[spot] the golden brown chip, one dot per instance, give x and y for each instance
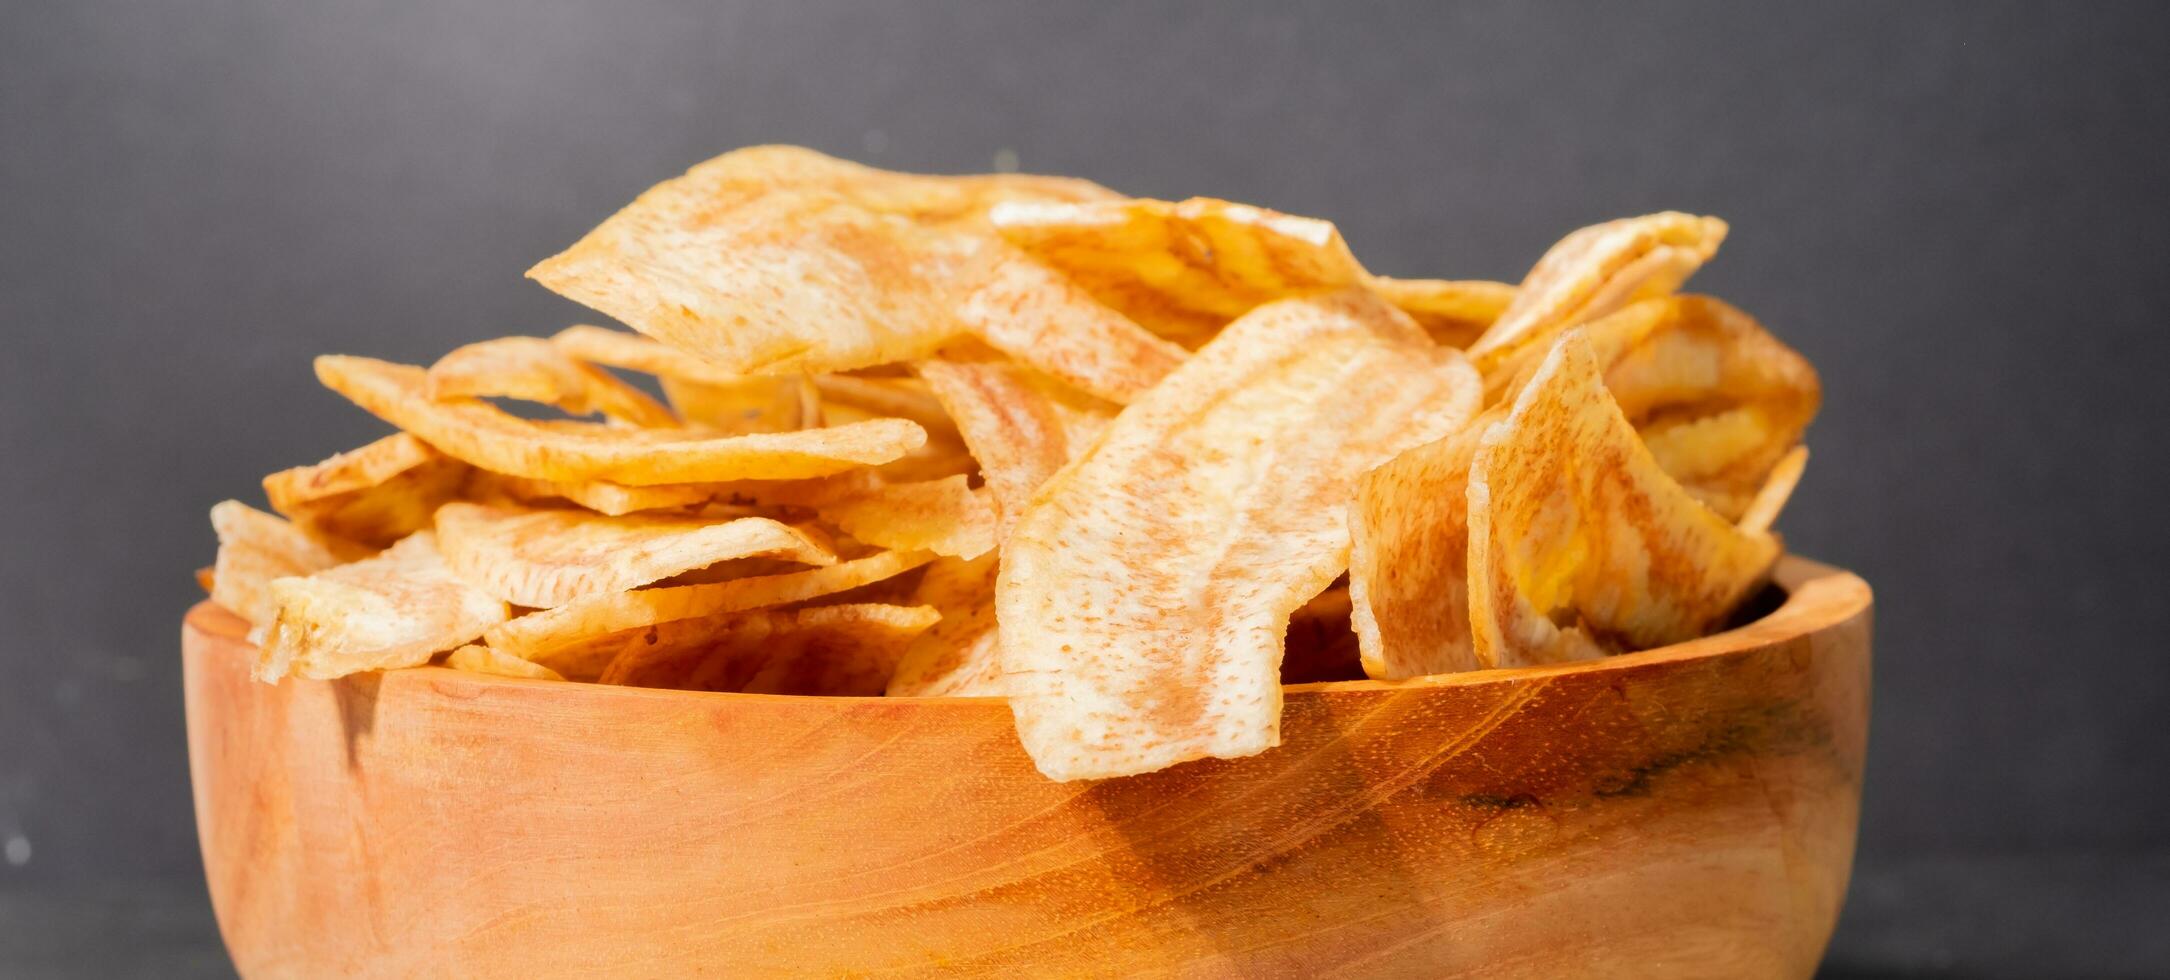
(1454, 312)
(904, 398)
(533, 369)
(256, 548)
(584, 621)
(1145, 594)
(1595, 271)
(397, 609)
(943, 516)
(633, 352)
(1019, 425)
(483, 660)
(372, 496)
(755, 403)
(1579, 544)
(1182, 269)
(600, 496)
(1762, 512)
(543, 558)
(842, 650)
(481, 434)
(959, 656)
(760, 265)
(1408, 557)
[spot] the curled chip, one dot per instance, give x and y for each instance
(1595, 271)
(701, 393)
(533, 369)
(1408, 560)
(1454, 311)
(483, 660)
(959, 656)
(484, 436)
(944, 516)
(904, 398)
(1716, 398)
(1579, 544)
(1770, 500)
(845, 650)
(397, 609)
(255, 549)
(545, 558)
(1145, 593)
(372, 496)
(584, 621)
(1020, 426)
(765, 263)
(600, 496)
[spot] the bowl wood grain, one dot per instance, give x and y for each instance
(1687, 811)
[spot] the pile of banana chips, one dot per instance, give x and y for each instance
(1132, 464)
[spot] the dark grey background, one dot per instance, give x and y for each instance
(1957, 210)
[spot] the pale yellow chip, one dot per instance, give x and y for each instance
(1145, 594)
(1020, 426)
(633, 352)
(483, 660)
(959, 656)
(847, 650)
(533, 369)
(759, 263)
(583, 622)
(1597, 270)
(1454, 311)
(1408, 557)
(1716, 398)
(904, 398)
(397, 609)
(944, 516)
(256, 548)
(481, 434)
(548, 557)
(704, 395)
(600, 496)
(1579, 544)
(1183, 269)
(372, 496)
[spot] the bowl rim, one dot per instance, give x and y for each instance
(1817, 597)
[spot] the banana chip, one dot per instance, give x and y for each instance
(545, 558)
(944, 516)
(843, 650)
(1762, 511)
(1020, 426)
(372, 496)
(483, 660)
(397, 609)
(903, 398)
(1595, 271)
(1579, 544)
(583, 622)
(762, 263)
(487, 437)
(600, 496)
(959, 656)
(1454, 312)
(1408, 560)
(533, 369)
(1145, 594)
(255, 549)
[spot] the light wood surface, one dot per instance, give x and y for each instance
(1682, 812)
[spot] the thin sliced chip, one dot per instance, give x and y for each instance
(1321, 645)
(544, 558)
(397, 609)
(1762, 512)
(904, 398)
(633, 352)
(842, 650)
(1145, 594)
(1455, 312)
(943, 516)
(1182, 269)
(372, 496)
(936, 199)
(483, 660)
(1579, 544)
(1408, 577)
(755, 403)
(584, 621)
(959, 656)
(759, 265)
(1595, 271)
(1020, 426)
(487, 437)
(533, 369)
(600, 496)
(255, 549)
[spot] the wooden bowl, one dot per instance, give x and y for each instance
(1687, 811)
